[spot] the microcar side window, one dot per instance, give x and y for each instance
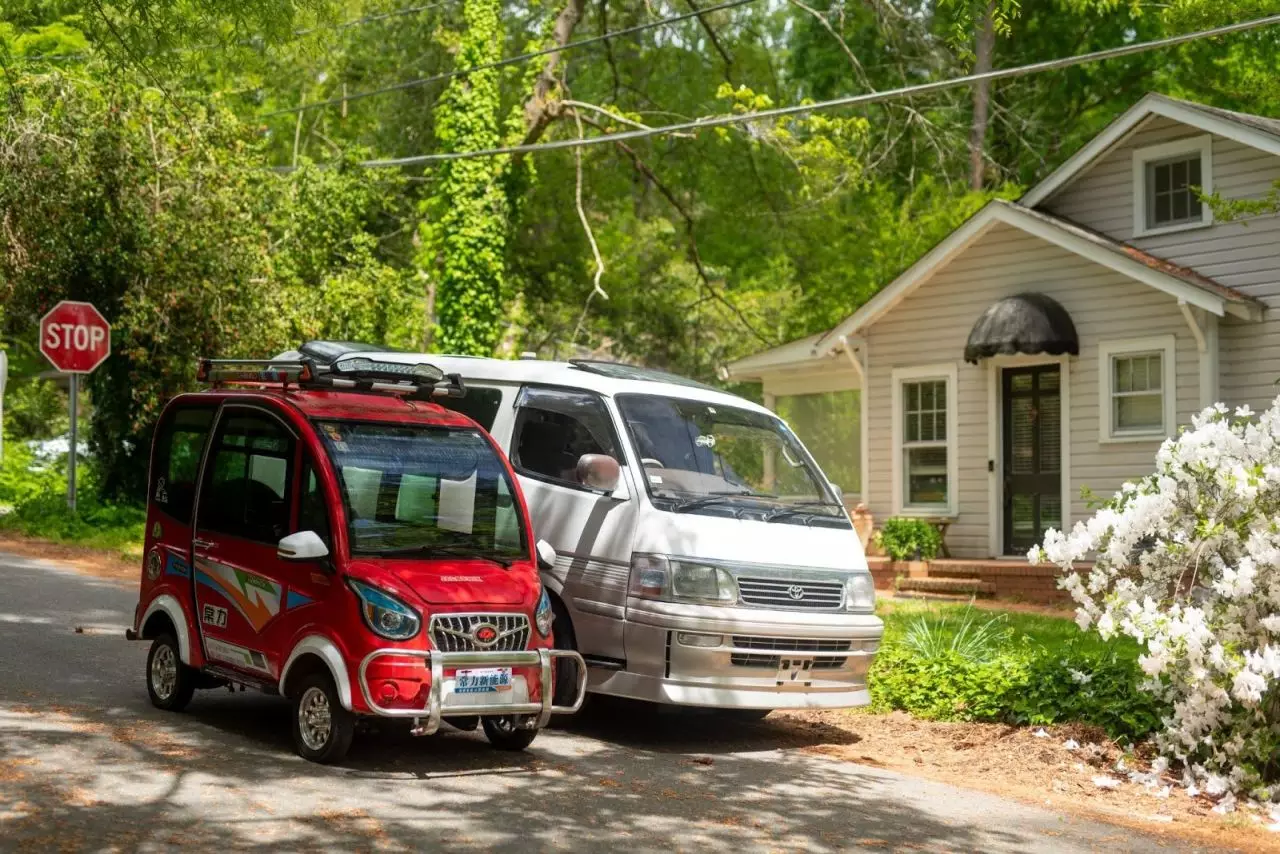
(245, 492)
(312, 512)
(179, 445)
(557, 426)
(479, 404)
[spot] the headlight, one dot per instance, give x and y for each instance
(544, 616)
(660, 577)
(860, 593)
(384, 614)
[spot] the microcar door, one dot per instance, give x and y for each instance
(590, 525)
(242, 513)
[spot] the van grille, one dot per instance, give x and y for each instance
(784, 593)
(458, 632)
(822, 662)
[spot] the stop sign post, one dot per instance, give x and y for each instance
(75, 338)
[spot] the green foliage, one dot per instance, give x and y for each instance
(96, 522)
(956, 634)
(468, 216)
(945, 664)
(35, 409)
(24, 477)
(909, 539)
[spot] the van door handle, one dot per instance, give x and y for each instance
(198, 543)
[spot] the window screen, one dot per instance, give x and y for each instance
(1171, 199)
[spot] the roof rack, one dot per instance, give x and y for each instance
(354, 372)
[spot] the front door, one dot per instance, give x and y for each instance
(242, 513)
(1032, 455)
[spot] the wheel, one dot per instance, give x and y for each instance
(566, 670)
(744, 715)
(322, 729)
(510, 732)
(170, 683)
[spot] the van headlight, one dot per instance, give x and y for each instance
(671, 579)
(384, 614)
(544, 616)
(859, 593)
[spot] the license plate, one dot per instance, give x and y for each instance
(489, 680)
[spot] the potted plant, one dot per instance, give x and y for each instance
(910, 544)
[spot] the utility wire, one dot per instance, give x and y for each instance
(370, 19)
(458, 72)
(846, 101)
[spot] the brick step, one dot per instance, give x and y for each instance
(943, 570)
(939, 597)
(956, 586)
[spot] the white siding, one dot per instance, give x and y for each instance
(1241, 255)
(932, 324)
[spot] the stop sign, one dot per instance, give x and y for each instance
(75, 337)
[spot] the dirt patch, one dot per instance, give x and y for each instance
(100, 563)
(1059, 770)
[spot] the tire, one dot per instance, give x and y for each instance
(322, 729)
(510, 732)
(566, 670)
(170, 683)
(468, 723)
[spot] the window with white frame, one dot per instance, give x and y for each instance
(924, 435)
(1168, 180)
(1137, 385)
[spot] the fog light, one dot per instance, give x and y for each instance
(389, 691)
(691, 639)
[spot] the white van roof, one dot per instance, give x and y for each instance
(606, 378)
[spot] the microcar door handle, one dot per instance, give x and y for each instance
(198, 543)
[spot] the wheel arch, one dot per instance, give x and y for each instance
(315, 652)
(165, 612)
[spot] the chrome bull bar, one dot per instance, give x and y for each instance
(543, 659)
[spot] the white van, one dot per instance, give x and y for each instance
(702, 558)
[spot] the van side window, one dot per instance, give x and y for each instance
(480, 405)
(179, 445)
(246, 487)
(313, 515)
(555, 427)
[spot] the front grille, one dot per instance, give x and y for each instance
(822, 662)
(784, 593)
(457, 632)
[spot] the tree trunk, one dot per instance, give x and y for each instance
(539, 110)
(984, 47)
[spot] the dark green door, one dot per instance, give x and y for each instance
(1032, 455)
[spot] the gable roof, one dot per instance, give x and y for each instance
(1255, 131)
(1179, 282)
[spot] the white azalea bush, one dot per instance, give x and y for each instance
(1187, 563)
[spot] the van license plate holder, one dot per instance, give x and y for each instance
(795, 671)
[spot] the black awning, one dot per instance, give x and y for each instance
(1028, 323)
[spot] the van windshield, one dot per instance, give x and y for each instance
(701, 457)
(422, 491)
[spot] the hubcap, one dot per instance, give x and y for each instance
(164, 672)
(315, 721)
(511, 724)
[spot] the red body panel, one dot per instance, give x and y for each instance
(236, 594)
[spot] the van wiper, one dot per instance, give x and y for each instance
(801, 508)
(687, 504)
(447, 551)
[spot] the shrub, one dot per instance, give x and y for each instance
(1187, 563)
(909, 539)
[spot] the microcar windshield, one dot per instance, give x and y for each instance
(423, 491)
(697, 456)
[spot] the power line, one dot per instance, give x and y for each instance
(370, 19)
(846, 101)
(458, 72)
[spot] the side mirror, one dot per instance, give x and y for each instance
(599, 471)
(304, 545)
(546, 555)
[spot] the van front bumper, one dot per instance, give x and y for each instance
(437, 705)
(744, 658)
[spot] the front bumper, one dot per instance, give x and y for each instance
(436, 708)
(740, 658)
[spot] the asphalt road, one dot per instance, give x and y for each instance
(86, 764)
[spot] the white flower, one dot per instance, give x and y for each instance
(1081, 678)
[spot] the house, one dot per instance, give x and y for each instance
(1048, 345)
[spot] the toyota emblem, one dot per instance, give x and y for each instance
(796, 592)
(484, 634)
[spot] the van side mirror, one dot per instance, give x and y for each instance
(546, 555)
(599, 471)
(304, 545)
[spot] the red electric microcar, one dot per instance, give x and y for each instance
(335, 535)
